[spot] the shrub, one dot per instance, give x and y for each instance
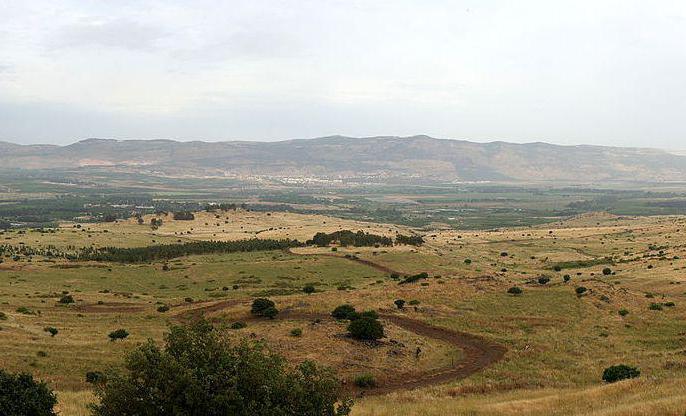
(238, 325)
(246, 379)
(163, 308)
(296, 332)
(566, 278)
(66, 299)
(670, 304)
(399, 303)
(260, 305)
(309, 289)
(503, 254)
(414, 278)
(188, 300)
(413, 302)
(369, 314)
(620, 372)
(580, 290)
(514, 290)
(557, 268)
(366, 328)
(607, 271)
(343, 311)
(52, 330)
(21, 395)
(95, 377)
(365, 381)
(395, 276)
(467, 261)
(25, 310)
(3, 316)
(118, 334)
(543, 280)
(270, 312)
(623, 312)
(655, 307)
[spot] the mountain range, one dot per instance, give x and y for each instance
(420, 158)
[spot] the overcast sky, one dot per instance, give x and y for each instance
(569, 72)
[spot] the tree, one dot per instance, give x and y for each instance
(118, 334)
(199, 373)
(514, 290)
(66, 299)
(366, 328)
(309, 289)
(21, 395)
(264, 307)
(399, 303)
(620, 372)
(580, 290)
(51, 330)
(343, 311)
(607, 271)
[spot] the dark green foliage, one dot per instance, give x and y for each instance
(410, 240)
(25, 310)
(66, 299)
(118, 334)
(399, 303)
(566, 278)
(343, 311)
(184, 216)
(623, 312)
(414, 302)
(620, 372)
(163, 308)
(51, 330)
(670, 304)
(263, 307)
(296, 332)
(607, 271)
(655, 307)
(365, 381)
(3, 316)
(543, 280)
(349, 238)
(514, 290)
(197, 373)
(309, 289)
(557, 268)
(580, 290)
(367, 314)
(467, 261)
(238, 325)
(95, 377)
(366, 328)
(414, 278)
(21, 395)
(169, 251)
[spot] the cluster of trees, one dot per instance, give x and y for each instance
(199, 373)
(349, 238)
(170, 251)
(410, 240)
(184, 216)
(225, 207)
(363, 325)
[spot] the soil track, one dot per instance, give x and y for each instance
(368, 263)
(478, 353)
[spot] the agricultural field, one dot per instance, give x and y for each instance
(595, 290)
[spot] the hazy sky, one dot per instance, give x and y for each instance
(596, 72)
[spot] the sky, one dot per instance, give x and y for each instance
(568, 72)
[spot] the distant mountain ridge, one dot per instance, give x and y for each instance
(385, 158)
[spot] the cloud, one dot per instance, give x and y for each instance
(118, 33)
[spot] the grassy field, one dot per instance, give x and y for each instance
(558, 341)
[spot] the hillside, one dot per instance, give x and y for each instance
(419, 158)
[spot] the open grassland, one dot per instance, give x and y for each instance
(558, 341)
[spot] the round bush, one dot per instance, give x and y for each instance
(623, 312)
(366, 328)
(238, 325)
(66, 299)
(21, 395)
(620, 372)
(264, 307)
(607, 271)
(580, 290)
(296, 332)
(163, 308)
(543, 280)
(343, 311)
(399, 303)
(365, 381)
(309, 289)
(118, 334)
(514, 290)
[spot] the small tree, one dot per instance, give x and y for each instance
(21, 395)
(514, 290)
(66, 299)
(118, 334)
(343, 311)
(260, 305)
(309, 289)
(607, 271)
(399, 303)
(52, 330)
(366, 328)
(543, 280)
(620, 372)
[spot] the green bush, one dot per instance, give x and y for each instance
(343, 311)
(163, 308)
(118, 334)
(66, 299)
(623, 312)
(580, 290)
(197, 372)
(95, 377)
(566, 278)
(620, 372)
(52, 330)
(264, 307)
(3, 316)
(309, 289)
(413, 302)
(607, 271)
(655, 307)
(514, 290)
(365, 381)
(238, 325)
(543, 280)
(25, 310)
(366, 328)
(21, 395)
(670, 304)
(399, 303)
(296, 332)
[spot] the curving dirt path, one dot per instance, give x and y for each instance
(369, 263)
(478, 353)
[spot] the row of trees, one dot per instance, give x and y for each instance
(349, 238)
(170, 251)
